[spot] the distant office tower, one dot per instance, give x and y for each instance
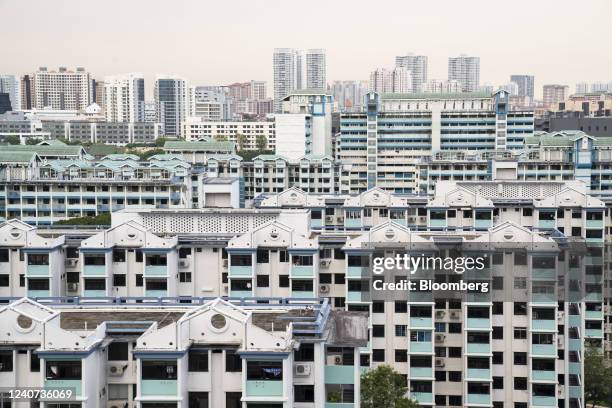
(525, 84)
(171, 103)
(512, 88)
(5, 102)
(417, 65)
(582, 88)
(597, 87)
(10, 85)
(27, 92)
(315, 69)
(99, 97)
(396, 80)
(440, 86)
(349, 95)
(150, 114)
(62, 89)
(124, 96)
(466, 70)
(211, 103)
(259, 90)
(297, 69)
(553, 94)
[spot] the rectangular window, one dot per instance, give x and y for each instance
(303, 393)
(63, 370)
(158, 370)
(119, 280)
(233, 362)
(198, 360)
(118, 351)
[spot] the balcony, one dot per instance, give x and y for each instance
(544, 325)
(316, 223)
(421, 347)
(478, 374)
(302, 271)
(594, 314)
(544, 274)
(94, 270)
(74, 385)
(155, 270)
(339, 374)
(593, 333)
(477, 323)
(543, 401)
(356, 296)
(94, 293)
(352, 222)
(421, 372)
(241, 293)
(302, 294)
(264, 388)
(540, 375)
(156, 293)
(38, 293)
(547, 224)
(483, 224)
(37, 270)
(594, 224)
(478, 348)
(422, 397)
(547, 350)
(240, 270)
(479, 399)
(437, 223)
(421, 322)
(356, 271)
(149, 388)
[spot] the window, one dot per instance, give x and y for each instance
(378, 307)
(498, 383)
(198, 360)
(4, 280)
(401, 356)
(400, 330)
(4, 255)
(498, 332)
(38, 284)
(138, 279)
(64, 370)
(454, 327)
(34, 362)
(378, 330)
(6, 360)
(440, 327)
(454, 352)
(233, 362)
(304, 353)
(520, 383)
(378, 355)
(520, 308)
(95, 284)
(401, 307)
(283, 256)
(184, 277)
(520, 333)
(119, 280)
(263, 256)
(158, 370)
(118, 351)
(440, 375)
(283, 281)
(303, 393)
(454, 376)
(325, 278)
(339, 278)
(118, 255)
(263, 281)
(520, 358)
(498, 357)
(420, 336)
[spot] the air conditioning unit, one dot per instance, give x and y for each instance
(116, 370)
(454, 315)
(338, 360)
(559, 315)
(559, 342)
(340, 219)
(325, 263)
(72, 287)
(184, 263)
(440, 362)
(440, 338)
(329, 218)
(225, 288)
(118, 404)
(72, 262)
(301, 370)
(225, 263)
(323, 288)
(440, 313)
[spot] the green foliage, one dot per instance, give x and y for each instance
(33, 141)
(221, 138)
(249, 155)
(597, 378)
(261, 142)
(12, 140)
(160, 141)
(145, 155)
(102, 219)
(383, 387)
(242, 141)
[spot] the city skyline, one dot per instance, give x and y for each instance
(346, 60)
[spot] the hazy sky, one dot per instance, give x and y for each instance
(223, 41)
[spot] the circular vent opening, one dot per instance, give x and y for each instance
(24, 322)
(218, 321)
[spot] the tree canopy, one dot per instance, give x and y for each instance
(383, 387)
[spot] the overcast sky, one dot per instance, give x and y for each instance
(223, 41)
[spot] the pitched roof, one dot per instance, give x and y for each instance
(17, 157)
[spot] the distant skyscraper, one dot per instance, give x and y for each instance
(124, 97)
(5, 103)
(512, 88)
(582, 88)
(297, 69)
(349, 94)
(553, 94)
(99, 95)
(396, 80)
(440, 86)
(465, 70)
(27, 92)
(417, 65)
(525, 84)
(11, 85)
(150, 114)
(171, 103)
(62, 89)
(315, 69)
(598, 87)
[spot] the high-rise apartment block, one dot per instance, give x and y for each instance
(348, 95)
(11, 85)
(465, 70)
(396, 80)
(525, 84)
(554, 93)
(417, 65)
(297, 69)
(124, 97)
(62, 89)
(171, 103)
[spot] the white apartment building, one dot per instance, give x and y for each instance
(396, 80)
(197, 128)
(554, 93)
(62, 89)
(465, 70)
(417, 65)
(315, 69)
(11, 85)
(124, 98)
(442, 86)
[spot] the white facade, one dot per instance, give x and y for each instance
(315, 69)
(11, 85)
(396, 80)
(62, 89)
(196, 128)
(417, 65)
(466, 70)
(440, 86)
(124, 98)
(291, 131)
